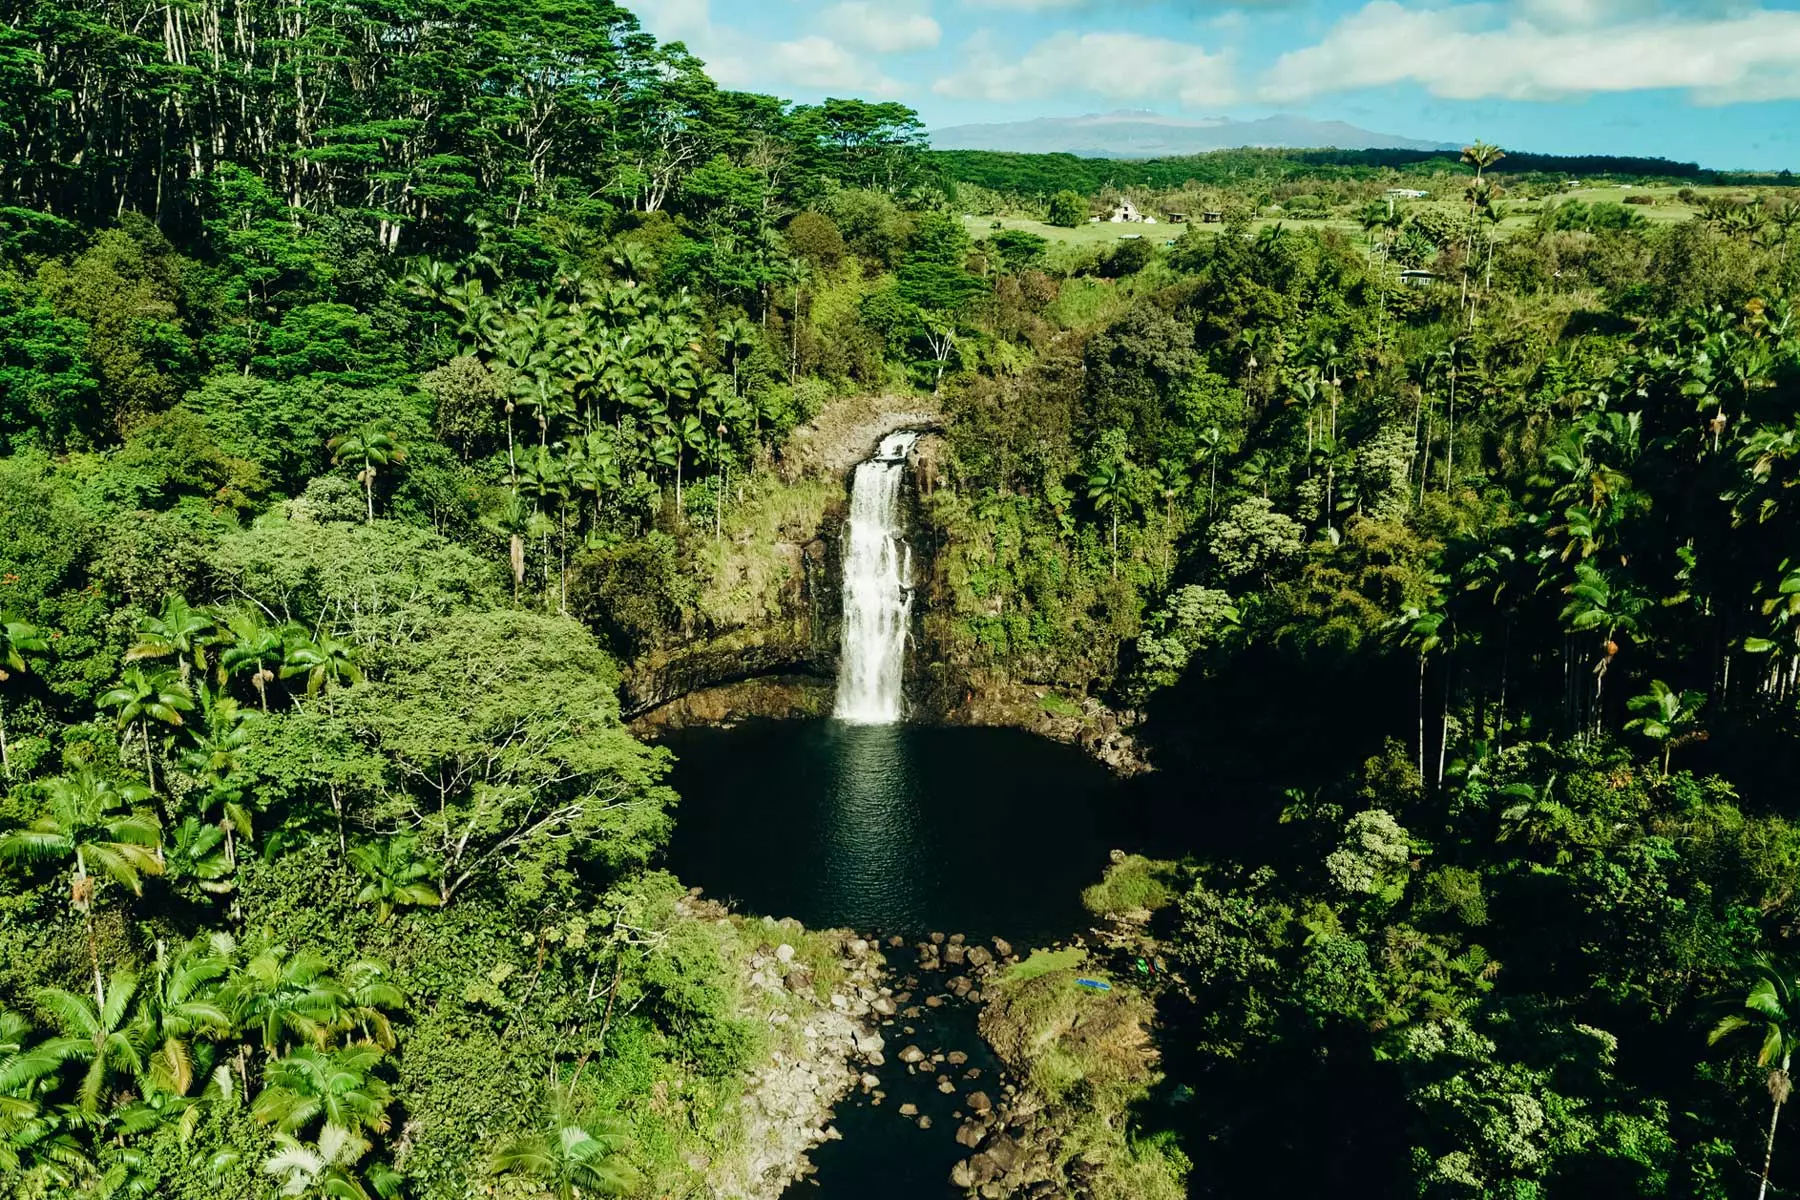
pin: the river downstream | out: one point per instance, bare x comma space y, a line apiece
899, 829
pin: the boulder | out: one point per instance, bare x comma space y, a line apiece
962, 1176
1004, 1151
955, 954
945, 1085
979, 1102
912, 1054
799, 980
933, 1001
978, 956
909, 1110
924, 1121
868, 1043
970, 1134
937, 939
869, 1082
896, 941
1003, 948
884, 1005
957, 939
956, 1058
784, 952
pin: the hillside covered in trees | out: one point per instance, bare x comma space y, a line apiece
382, 385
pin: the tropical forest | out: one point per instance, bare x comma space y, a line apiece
572, 630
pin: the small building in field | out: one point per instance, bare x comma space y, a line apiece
1212, 218
1408, 193
1418, 279
1177, 218
1126, 213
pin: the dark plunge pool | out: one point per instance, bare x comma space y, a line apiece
898, 829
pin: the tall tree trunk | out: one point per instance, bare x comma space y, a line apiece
149, 758
1769, 1152
5, 762
83, 890
369, 489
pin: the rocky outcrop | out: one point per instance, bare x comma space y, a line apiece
822, 1040
770, 698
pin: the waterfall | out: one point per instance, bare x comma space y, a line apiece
877, 590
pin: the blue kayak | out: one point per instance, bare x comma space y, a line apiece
1097, 984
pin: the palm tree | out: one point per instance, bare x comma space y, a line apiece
395, 874
178, 632
27, 1072
1665, 716
18, 638
373, 445
1109, 489
1426, 630
283, 999
369, 991
96, 1034
179, 1004
90, 821
338, 1087
1209, 445
1768, 1006
1605, 604
255, 646
325, 661
328, 1168
570, 1154
143, 699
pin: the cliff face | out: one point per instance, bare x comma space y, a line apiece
769, 600
770, 606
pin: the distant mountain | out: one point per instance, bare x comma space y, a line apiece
1134, 134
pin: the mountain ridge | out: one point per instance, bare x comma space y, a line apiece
1129, 133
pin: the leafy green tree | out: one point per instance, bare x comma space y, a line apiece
1110, 491
1766, 1007
1068, 209
18, 638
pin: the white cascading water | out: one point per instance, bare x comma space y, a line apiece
877, 590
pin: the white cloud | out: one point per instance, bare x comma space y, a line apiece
1115, 66
882, 28
1472, 51
823, 65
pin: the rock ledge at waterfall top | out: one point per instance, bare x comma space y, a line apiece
847, 430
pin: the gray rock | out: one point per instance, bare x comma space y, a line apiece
978, 956
955, 954
970, 1134
912, 1054
1003, 948
979, 1102
784, 952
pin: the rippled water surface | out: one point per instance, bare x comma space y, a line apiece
898, 829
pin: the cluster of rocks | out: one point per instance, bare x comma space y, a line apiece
827, 1039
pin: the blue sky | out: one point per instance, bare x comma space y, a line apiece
1712, 81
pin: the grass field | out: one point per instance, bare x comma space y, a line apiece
1666, 208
